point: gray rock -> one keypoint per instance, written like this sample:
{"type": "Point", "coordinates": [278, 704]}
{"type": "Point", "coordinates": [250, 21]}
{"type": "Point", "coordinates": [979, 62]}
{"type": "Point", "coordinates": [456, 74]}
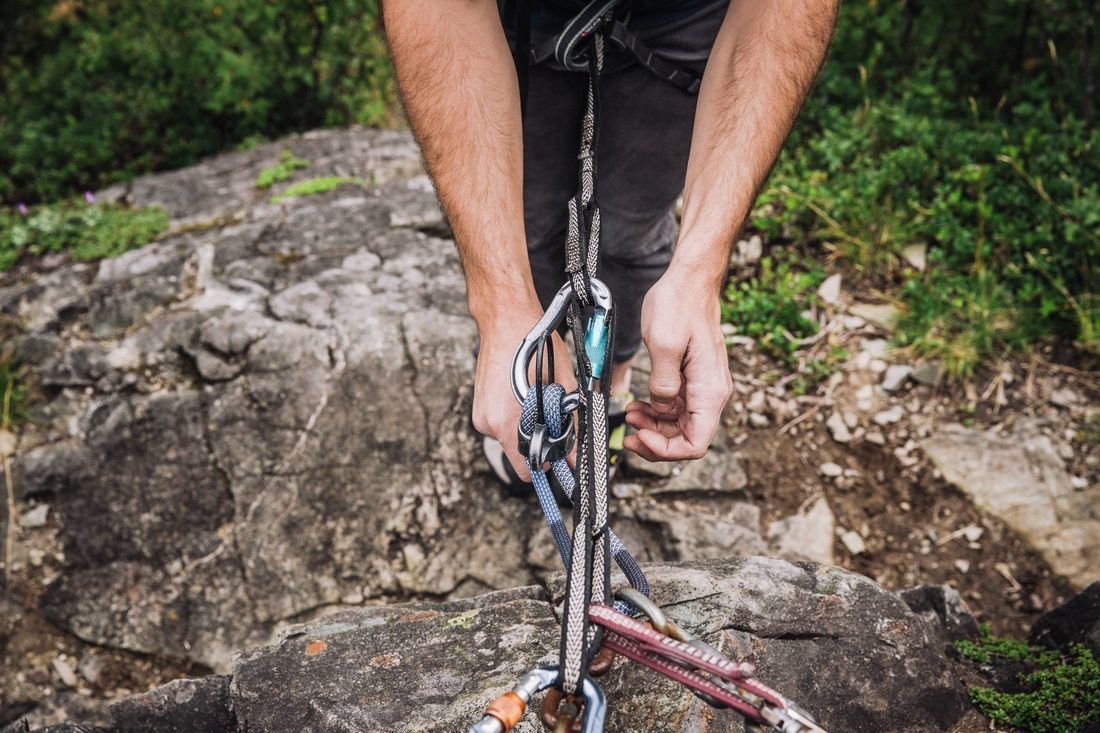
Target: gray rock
{"type": "Point", "coordinates": [942, 605]}
{"type": "Point", "coordinates": [916, 255]}
{"type": "Point", "coordinates": [895, 376]}
{"type": "Point", "coordinates": [853, 542]}
{"type": "Point", "coordinates": [885, 316]}
{"type": "Point", "coordinates": [829, 290]}
{"type": "Point", "coordinates": [889, 416]}
{"type": "Point", "coordinates": [684, 533]}
{"type": "Point", "coordinates": [851, 653]}
{"type": "Point", "coordinates": [419, 667]}
{"type": "Point", "coordinates": [807, 535]}
{"type": "Point", "coordinates": [661, 469]}
{"type": "Point", "coordinates": [35, 518]}
{"type": "Point", "coordinates": [1065, 397]}
{"type": "Point", "coordinates": [181, 706]}
{"type": "Point", "coordinates": [748, 251]}
{"type": "Point", "coordinates": [1077, 621]}
{"type": "Point", "coordinates": [847, 650]}
{"type": "Point", "coordinates": [928, 373]}
{"type": "Point", "coordinates": [837, 428]}
{"type": "Point", "coordinates": [1022, 480]}
{"type": "Point", "coordinates": [33, 348]}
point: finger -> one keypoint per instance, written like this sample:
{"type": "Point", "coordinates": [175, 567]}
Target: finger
{"type": "Point", "coordinates": [668, 448]}
{"type": "Point", "coordinates": [665, 377]}
{"type": "Point", "coordinates": [517, 459]}
{"type": "Point", "coordinates": [648, 409]}
{"type": "Point", "coordinates": [636, 446]}
{"type": "Point", "coordinates": [641, 421]}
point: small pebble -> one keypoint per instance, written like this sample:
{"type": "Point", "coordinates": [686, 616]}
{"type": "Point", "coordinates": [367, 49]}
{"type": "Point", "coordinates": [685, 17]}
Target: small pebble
{"type": "Point", "coordinates": [963, 566]}
{"type": "Point", "coordinates": [65, 672]}
{"type": "Point", "coordinates": [91, 667]}
{"type": "Point", "coordinates": [1064, 397]}
{"type": "Point", "coordinates": [895, 377]}
{"type": "Point", "coordinates": [35, 518]}
{"type": "Point", "coordinates": [830, 469]}
{"type": "Point", "coordinates": [853, 543]}
{"type": "Point", "coordinates": [837, 428]}
{"type": "Point", "coordinates": [891, 416]}
{"type": "Point", "coordinates": [973, 533]}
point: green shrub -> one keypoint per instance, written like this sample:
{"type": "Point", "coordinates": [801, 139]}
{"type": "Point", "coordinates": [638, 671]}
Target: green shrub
{"type": "Point", "coordinates": [86, 231]}
{"type": "Point", "coordinates": [768, 307]}
{"type": "Point", "coordinates": [927, 128]}
{"type": "Point", "coordinates": [1061, 692]}
{"type": "Point", "coordinates": [281, 171]}
{"type": "Point", "coordinates": [97, 91]}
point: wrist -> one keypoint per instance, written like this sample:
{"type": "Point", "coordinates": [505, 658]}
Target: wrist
{"type": "Point", "coordinates": [505, 315]}
{"type": "Point", "coordinates": [703, 274]}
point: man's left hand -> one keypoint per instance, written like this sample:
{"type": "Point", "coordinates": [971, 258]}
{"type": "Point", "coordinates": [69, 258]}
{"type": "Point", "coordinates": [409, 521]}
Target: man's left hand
{"type": "Point", "coordinates": [689, 383]}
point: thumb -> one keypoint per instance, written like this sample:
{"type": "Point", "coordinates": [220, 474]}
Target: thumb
{"type": "Point", "coordinates": [665, 376]}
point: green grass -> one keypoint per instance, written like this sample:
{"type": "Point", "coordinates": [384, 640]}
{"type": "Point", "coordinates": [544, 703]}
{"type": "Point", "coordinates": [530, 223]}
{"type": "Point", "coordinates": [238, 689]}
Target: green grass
{"type": "Point", "coordinates": [1061, 693]}
{"type": "Point", "coordinates": [14, 394]}
{"type": "Point", "coordinates": [86, 231]}
{"type": "Point", "coordinates": [768, 307]}
{"type": "Point", "coordinates": [281, 171]}
{"type": "Point", "coordinates": [927, 129]}
{"type": "Point", "coordinates": [313, 186]}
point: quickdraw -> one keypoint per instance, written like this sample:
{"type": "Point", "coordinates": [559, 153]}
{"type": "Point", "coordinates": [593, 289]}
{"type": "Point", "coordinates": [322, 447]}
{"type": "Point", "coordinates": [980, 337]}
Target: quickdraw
{"type": "Point", "coordinates": [595, 624]}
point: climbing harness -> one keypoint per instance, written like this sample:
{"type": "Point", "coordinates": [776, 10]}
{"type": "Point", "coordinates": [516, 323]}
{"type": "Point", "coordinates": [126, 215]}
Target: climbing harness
{"type": "Point", "coordinates": [597, 624]}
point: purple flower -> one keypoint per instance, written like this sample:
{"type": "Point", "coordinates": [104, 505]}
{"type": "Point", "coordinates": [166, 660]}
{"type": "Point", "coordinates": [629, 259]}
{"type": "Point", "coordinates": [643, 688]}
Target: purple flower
{"type": "Point", "coordinates": [22, 208]}
{"type": "Point", "coordinates": [89, 197]}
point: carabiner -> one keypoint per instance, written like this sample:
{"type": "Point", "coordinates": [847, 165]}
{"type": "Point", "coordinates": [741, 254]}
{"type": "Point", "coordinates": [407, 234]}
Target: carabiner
{"type": "Point", "coordinates": [554, 316]}
{"type": "Point", "coordinates": [507, 710]}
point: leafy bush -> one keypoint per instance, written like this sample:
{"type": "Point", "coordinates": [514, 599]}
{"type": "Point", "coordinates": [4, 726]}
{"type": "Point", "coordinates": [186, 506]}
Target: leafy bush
{"type": "Point", "coordinates": [1061, 694]}
{"type": "Point", "coordinates": [962, 128]}
{"type": "Point", "coordinates": [86, 231]}
{"type": "Point", "coordinates": [96, 91]}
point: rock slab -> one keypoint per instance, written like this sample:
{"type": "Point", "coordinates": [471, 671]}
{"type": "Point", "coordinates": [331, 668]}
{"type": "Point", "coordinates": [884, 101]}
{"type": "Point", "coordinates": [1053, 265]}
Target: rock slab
{"type": "Point", "coordinates": [264, 415]}
{"type": "Point", "coordinates": [845, 649]}
{"type": "Point", "coordinates": [1022, 480]}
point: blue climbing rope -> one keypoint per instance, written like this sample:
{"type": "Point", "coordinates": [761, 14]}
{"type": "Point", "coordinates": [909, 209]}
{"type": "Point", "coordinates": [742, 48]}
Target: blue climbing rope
{"type": "Point", "coordinates": [556, 424]}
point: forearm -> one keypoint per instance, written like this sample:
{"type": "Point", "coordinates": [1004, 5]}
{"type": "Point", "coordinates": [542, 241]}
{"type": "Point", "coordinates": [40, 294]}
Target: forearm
{"type": "Point", "coordinates": [762, 65]}
{"type": "Point", "coordinates": [458, 85]}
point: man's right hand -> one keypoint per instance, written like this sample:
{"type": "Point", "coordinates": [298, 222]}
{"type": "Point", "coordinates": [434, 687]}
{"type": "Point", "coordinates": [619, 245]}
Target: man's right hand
{"type": "Point", "coordinates": [496, 411]}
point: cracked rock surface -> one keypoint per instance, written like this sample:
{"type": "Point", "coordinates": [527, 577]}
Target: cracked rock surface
{"type": "Point", "coordinates": [850, 652]}
{"type": "Point", "coordinates": [265, 415]}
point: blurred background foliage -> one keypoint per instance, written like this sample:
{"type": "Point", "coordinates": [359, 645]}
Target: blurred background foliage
{"type": "Point", "coordinates": [94, 91]}
{"type": "Point", "coordinates": [965, 128]}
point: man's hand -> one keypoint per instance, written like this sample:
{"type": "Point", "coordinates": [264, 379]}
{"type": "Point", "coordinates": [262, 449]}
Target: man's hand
{"type": "Point", "coordinates": [762, 64]}
{"type": "Point", "coordinates": [496, 411]}
{"type": "Point", "coordinates": [690, 382]}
